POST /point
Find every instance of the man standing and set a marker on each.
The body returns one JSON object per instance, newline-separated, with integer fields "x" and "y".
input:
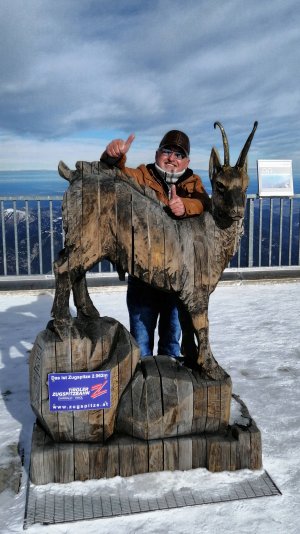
{"x": 182, "y": 191}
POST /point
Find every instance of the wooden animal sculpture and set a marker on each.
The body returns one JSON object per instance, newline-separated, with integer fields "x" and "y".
{"x": 107, "y": 215}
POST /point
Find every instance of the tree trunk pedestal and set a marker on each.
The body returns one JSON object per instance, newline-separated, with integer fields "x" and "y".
{"x": 164, "y": 416}
{"x": 239, "y": 448}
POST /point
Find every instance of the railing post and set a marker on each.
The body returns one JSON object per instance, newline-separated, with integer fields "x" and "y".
{"x": 251, "y": 232}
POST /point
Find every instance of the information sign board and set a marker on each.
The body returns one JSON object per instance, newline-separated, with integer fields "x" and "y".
{"x": 79, "y": 391}
{"x": 275, "y": 178}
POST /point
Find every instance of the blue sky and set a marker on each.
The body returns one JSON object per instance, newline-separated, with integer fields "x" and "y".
{"x": 76, "y": 74}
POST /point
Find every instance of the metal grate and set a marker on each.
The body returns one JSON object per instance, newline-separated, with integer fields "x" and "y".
{"x": 48, "y": 507}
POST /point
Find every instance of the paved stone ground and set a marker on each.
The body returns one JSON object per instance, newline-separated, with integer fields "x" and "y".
{"x": 48, "y": 507}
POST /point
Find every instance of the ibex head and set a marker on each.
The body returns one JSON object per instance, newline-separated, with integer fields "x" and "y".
{"x": 229, "y": 184}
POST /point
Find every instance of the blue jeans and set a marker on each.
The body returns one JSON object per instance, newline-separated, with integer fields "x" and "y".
{"x": 146, "y": 306}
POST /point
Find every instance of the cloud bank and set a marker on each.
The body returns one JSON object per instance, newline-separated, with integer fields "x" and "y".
{"x": 76, "y": 74}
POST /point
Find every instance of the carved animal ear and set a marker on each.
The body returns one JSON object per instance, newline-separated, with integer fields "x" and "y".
{"x": 214, "y": 163}
{"x": 64, "y": 171}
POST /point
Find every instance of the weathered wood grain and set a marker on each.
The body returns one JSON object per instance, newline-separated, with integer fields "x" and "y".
{"x": 157, "y": 273}
{"x": 199, "y": 404}
{"x": 169, "y": 396}
{"x": 126, "y": 456}
{"x": 185, "y": 453}
{"x": 156, "y": 455}
{"x": 81, "y": 462}
{"x": 185, "y": 393}
{"x": 110, "y": 344}
{"x": 199, "y": 456}
{"x": 153, "y": 404}
{"x": 167, "y": 399}
{"x": 98, "y": 461}
{"x": 124, "y": 228}
{"x": 140, "y": 457}
{"x": 140, "y": 238}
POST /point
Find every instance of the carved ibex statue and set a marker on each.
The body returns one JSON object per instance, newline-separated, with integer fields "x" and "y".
{"x": 107, "y": 215}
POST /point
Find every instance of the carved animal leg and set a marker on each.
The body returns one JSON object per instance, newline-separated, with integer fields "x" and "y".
{"x": 60, "y": 309}
{"x": 188, "y": 345}
{"x": 205, "y": 357}
{"x": 60, "y": 312}
{"x": 82, "y": 300}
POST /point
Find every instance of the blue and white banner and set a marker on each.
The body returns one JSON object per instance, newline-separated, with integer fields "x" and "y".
{"x": 79, "y": 391}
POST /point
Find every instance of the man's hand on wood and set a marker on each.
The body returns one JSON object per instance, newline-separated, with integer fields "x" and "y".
{"x": 175, "y": 203}
{"x": 119, "y": 147}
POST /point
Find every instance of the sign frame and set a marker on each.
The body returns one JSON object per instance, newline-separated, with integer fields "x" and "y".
{"x": 77, "y": 391}
{"x": 275, "y": 178}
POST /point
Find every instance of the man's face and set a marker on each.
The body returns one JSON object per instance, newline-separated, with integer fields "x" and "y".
{"x": 170, "y": 162}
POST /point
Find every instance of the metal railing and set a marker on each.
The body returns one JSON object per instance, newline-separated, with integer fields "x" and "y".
{"x": 32, "y": 234}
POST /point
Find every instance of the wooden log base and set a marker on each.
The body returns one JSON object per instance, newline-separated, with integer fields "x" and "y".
{"x": 167, "y": 399}
{"x": 99, "y": 344}
{"x": 238, "y": 448}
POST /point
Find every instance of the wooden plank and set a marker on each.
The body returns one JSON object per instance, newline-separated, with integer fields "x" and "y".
{"x": 65, "y": 458}
{"x": 185, "y": 453}
{"x": 73, "y": 221}
{"x": 137, "y": 406}
{"x": 123, "y": 354}
{"x": 95, "y": 426}
{"x": 214, "y": 454}
{"x": 140, "y": 457}
{"x": 157, "y": 273}
{"x": 124, "y": 228}
{"x": 81, "y": 462}
{"x": 98, "y": 456}
{"x": 141, "y": 248}
{"x": 113, "y": 463}
{"x": 49, "y": 457}
{"x": 185, "y": 229}
{"x": 233, "y": 454}
{"x": 199, "y": 448}
{"x": 243, "y": 447}
{"x": 80, "y": 352}
{"x": 154, "y": 406}
{"x": 37, "y": 470}
{"x": 107, "y": 218}
{"x": 63, "y": 356}
{"x": 156, "y": 455}
{"x": 173, "y": 255}
{"x": 225, "y": 399}
{"x": 213, "y": 406}
{"x": 255, "y": 447}
{"x": 107, "y": 332}
{"x": 169, "y": 396}
{"x": 43, "y": 362}
{"x": 185, "y": 401}
{"x": 90, "y": 221}
{"x": 126, "y": 457}
{"x": 200, "y": 404}
{"x": 171, "y": 455}
{"x": 109, "y": 415}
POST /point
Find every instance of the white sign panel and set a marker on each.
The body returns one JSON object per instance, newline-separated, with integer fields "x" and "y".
{"x": 275, "y": 178}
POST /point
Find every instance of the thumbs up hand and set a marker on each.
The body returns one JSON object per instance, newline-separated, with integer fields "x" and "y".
{"x": 175, "y": 203}
{"x": 119, "y": 147}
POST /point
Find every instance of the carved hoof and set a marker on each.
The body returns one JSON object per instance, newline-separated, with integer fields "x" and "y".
{"x": 86, "y": 315}
{"x": 61, "y": 327}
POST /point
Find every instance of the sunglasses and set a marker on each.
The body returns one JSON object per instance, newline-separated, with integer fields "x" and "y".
{"x": 168, "y": 152}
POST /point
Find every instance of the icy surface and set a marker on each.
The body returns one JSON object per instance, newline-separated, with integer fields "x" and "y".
{"x": 255, "y": 336}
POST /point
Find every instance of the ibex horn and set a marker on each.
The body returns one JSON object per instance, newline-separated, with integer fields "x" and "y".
{"x": 225, "y": 143}
{"x": 242, "y": 158}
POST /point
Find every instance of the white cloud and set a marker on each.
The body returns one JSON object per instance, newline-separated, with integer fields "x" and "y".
{"x": 71, "y": 67}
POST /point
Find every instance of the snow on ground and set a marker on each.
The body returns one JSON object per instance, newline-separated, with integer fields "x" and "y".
{"x": 255, "y": 335}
